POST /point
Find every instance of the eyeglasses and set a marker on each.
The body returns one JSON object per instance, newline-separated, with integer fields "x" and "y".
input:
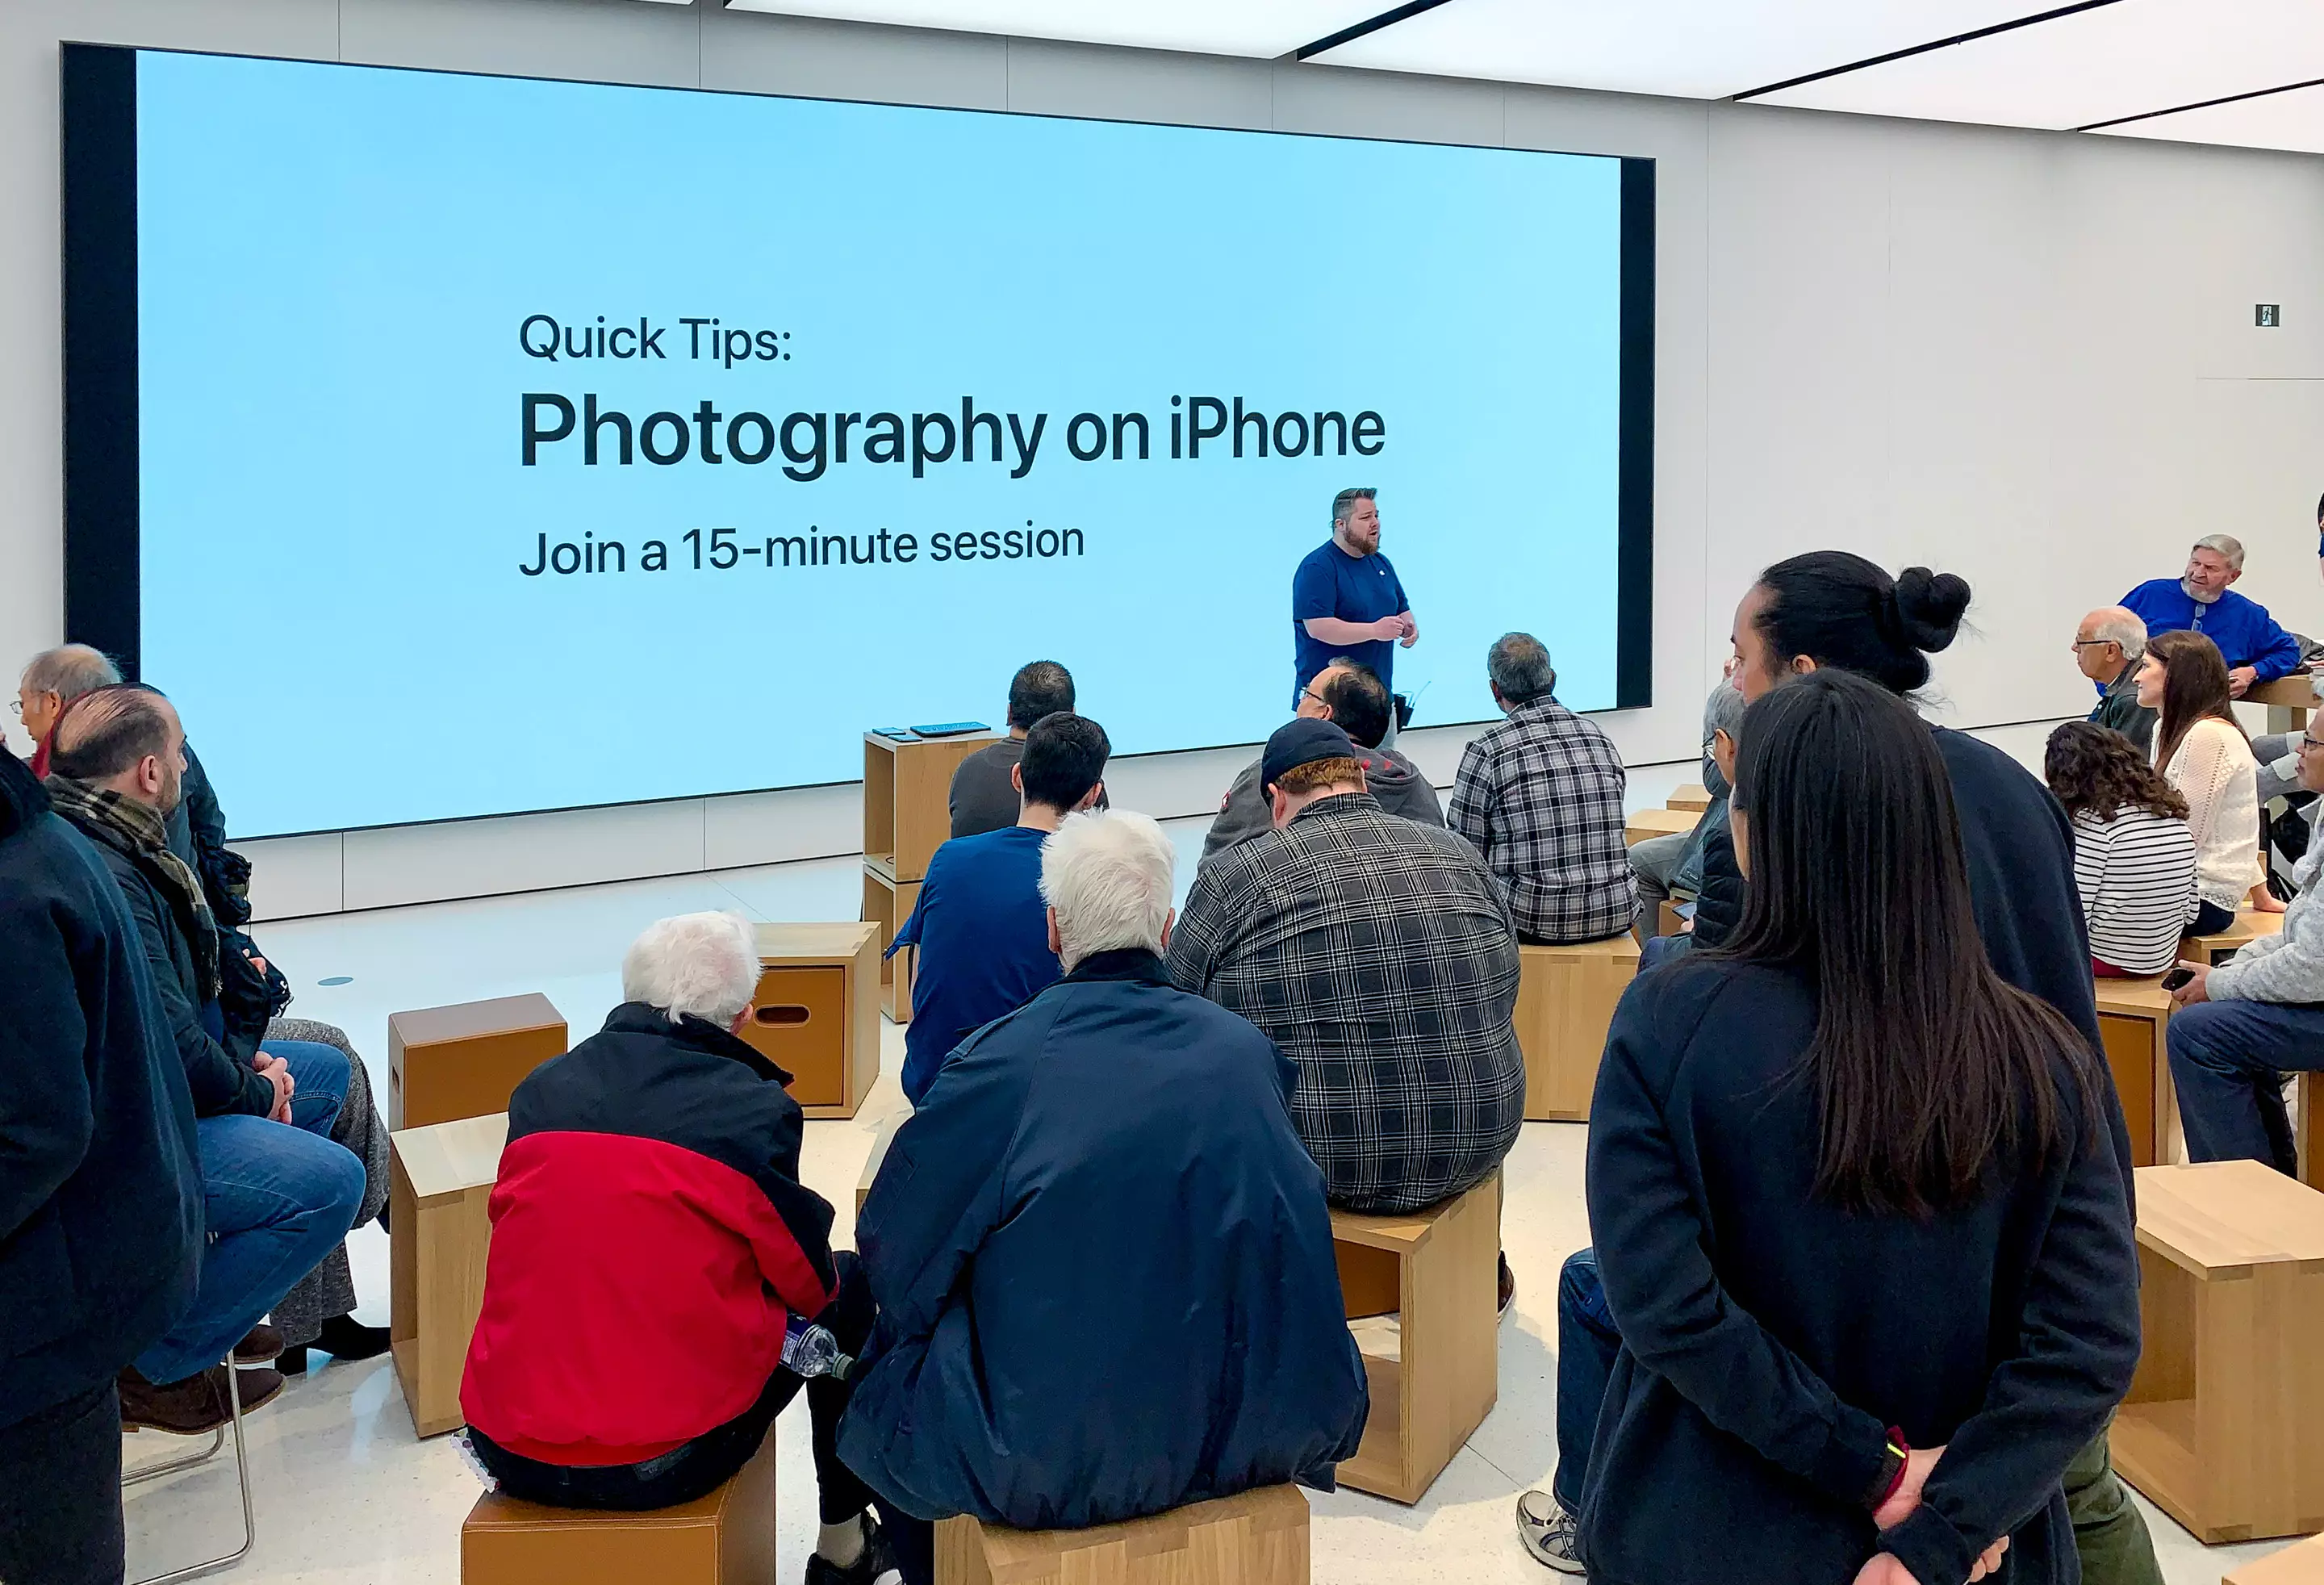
{"x": 1312, "y": 694}
{"x": 2089, "y": 644}
{"x": 2307, "y": 742}
{"x": 18, "y": 706}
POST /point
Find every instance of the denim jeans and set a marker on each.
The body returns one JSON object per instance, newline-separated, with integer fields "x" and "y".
{"x": 2228, "y": 1062}
{"x": 1587, "y": 1343}
{"x": 276, "y": 1198}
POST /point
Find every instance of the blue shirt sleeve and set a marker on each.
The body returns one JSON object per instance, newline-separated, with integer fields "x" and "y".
{"x": 2278, "y": 652}
{"x": 1314, "y": 591}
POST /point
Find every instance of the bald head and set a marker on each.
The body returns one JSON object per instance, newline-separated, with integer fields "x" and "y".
{"x": 54, "y": 678}
{"x": 2110, "y": 639}
{"x": 125, "y": 737}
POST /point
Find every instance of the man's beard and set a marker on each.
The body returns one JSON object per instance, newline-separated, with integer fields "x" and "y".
{"x": 2187, "y": 587}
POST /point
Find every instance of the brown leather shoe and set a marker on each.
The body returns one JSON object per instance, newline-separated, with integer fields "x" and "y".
{"x": 261, "y": 1345}
{"x": 191, "y": 1406}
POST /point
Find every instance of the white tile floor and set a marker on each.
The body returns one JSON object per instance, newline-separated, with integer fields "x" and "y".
{"x": 346, "y": 1492}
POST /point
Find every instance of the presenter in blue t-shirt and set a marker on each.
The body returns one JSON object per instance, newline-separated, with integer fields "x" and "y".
{"x": 1346, "y": 599}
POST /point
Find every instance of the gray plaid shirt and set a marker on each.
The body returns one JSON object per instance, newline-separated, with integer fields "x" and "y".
{"x": 1541, "y": 796}
{"x": 1379, "y": 955}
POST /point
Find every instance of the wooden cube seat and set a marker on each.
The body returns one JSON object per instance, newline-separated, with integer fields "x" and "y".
{"x": 468, "y": 1058}
{"x": 2250, "y": 925}
{"x": 2299, "y": 1564}
{"x": 816, "y": 1013}
{"x": 872, "y": 1162}
{"x": 1565, "y": 1003}
{"x": 2224, "y": 1425}
{"x": 439, "y": 1231}
{"x": 726, "y": 1538}
{"x": 1693, "y": 797}
{"x": 2134, "y": 1016}
{"x": 1422, "y": 1296}
{"x": 1256, "y": 1538}
{"x": 1645, "y": 823}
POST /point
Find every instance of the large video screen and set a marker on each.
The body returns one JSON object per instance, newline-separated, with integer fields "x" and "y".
{"x": 451, "y": 445}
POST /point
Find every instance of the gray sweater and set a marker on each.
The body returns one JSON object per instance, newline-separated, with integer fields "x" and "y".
{"x": 2288, "y": 967}
{"x": 1392, "y": 780}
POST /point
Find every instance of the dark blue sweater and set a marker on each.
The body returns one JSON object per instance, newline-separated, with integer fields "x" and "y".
{"x": 984, "y": 937}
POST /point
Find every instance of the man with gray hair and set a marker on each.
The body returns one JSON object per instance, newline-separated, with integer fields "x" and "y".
{"x": 2106, "y": 649}
{"x": 1347, "y": 601}
{"x": 1540, "y": 798}
{"x": 2255, "y": 649}
{"x": 1102, "y": 1257}
{"x": 54, "y": 678}
{"x": 656, "y": 1266}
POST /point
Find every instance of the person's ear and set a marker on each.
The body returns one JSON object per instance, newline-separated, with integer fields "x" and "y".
{"x": 741, "y": 1018}
{"x": 1057, "y": 941}
{"x": 1278, "y": 805}
{"x": 1739, "y": 829}
{"x": 1089, "y": 798}
{"x": 1017, "y": 779}
{"x": 151, "y": 776}
{"x": 1169, "y": 922}
{"x": 1803, "y": 664}
{"x": 2233, "y": 574}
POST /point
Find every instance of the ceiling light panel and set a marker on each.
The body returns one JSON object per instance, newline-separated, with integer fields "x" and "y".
{"x": 1263, "y": 28}
{"x": 1693, "y": 48}
{"x": 2126, "y": 59}
{"x": 2293, "y": 120}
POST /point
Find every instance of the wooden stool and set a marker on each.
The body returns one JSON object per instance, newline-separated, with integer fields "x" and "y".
{"x": 2304, "y": 1131}
{"x": 907, "y": 798}
{"x": 2302, "y": 1564}
{"x": 1668, "y": 921}
{"x": 1422, "y": 1296}
{"x": 727, "y": 1538}
{"x": 2224, "y": 1426}
{"x": 872, "y": 1163}
{"x": 1257, "y": 1538}
{"x": 2249, "y": 926}
{"x": 888, "y": 903}
{"x": 1693, "y": 797}
{"x": 2134, "y": 1016}
{"x": 465, "y": 1060}
{"x": 439, "y": 1184}
{"x": 1565, "y": 1002}
{"x": 816, "y": 1011}
{"x": 1647, "y": 823}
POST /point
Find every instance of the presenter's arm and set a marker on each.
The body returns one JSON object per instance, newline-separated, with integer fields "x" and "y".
{"x": 1411, "y": 627}
{"x": 1332, "y": 630}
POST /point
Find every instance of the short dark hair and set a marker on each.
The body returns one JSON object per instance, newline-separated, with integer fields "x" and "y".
{"x": 1343, "y": 504}
{"x": 108, "y": 730}
{"x": 1039, "y": 688}
{"x": 1358, "y": 698}
{"x": 1065, "y": 757}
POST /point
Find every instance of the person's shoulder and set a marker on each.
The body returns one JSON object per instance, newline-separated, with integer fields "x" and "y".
{"x": 1703, "y": 997}
{"x": 2152, "y": 588}
{"x": 1319, "y": 557}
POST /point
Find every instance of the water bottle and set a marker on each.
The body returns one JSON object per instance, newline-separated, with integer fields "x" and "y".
{"x": 809, "y": 1349}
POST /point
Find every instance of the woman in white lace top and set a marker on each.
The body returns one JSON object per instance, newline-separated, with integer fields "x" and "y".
{"x": 2204, "y": 755}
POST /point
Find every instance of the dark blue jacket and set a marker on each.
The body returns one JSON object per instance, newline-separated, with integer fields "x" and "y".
{"x": 1104, "y": 1270}
{"x": 2244, "y": 632}
{"x": 100, "y": 1192}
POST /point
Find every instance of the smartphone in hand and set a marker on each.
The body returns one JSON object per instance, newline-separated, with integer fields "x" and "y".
{"x": 2177, "y": 977}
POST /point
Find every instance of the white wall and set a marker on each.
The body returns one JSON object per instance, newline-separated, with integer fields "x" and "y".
{"x": 2025, "y": 357}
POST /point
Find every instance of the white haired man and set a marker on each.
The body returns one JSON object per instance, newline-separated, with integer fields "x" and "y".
{"x": 2106, "y": 649}
{"x": 653, "y": 1252}
{"x": 1102, "y": 1257}
{"x": 2255, "y": 649}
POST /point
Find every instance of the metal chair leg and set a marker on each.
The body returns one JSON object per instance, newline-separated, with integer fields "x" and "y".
{"x": 242, "y": 1471}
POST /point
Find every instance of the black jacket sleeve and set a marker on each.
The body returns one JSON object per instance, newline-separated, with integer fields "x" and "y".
{"x": 1718, "y": 906}
{"x": 46, "y": 1116}
{"x": 221, "y": 1085}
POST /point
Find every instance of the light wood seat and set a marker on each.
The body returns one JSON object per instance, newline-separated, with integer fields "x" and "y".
{"x": 2302, "y": 1564}
{"x": 816, "y": 1014}
{"x": 1565, "y": 1002}
{"x": 1256, "y": 1538}
{"x": 726, "y": 1538}
{"x": 2224, "y": 1425}
{"x": 2134, "y": 1016}
{"x": 440, "y": 1190}
{"x": 1693, "y": 797}
{"x": 466, "y": 1059}
{"x": 2250, "y": 926}
{"x": 1643, "y": 823}
{"x": 1421, "y": 1292}
{"x": 872, "y": 1163}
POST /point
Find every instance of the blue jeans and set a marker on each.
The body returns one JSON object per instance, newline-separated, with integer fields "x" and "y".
{"x": 2228, "y": 1063}
{"x": 1658, "y": 951}
{"x": 1587, "y": 1343}
{"x": 274, "y": 1199}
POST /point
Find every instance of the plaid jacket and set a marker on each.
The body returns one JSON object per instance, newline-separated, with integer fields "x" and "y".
{"x": 1379, "y": 955}
{"x": 1541, "y": 796}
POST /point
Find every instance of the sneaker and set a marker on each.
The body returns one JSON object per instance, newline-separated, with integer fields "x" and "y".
{"x": 1508, "y": 1288}
{"x": 865, "y": 1570}
{"x": 194, "y": 1405}
{"x": 1546, "y": 1529}
{"x": 261, "y": 1345}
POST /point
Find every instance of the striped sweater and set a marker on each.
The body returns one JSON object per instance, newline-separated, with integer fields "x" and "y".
{"x": 2136, "y": 876}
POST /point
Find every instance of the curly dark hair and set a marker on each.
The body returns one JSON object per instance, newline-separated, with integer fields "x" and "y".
{"x": 2095, "y": 767}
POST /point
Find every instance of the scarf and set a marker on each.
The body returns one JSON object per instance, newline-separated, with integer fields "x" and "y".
{"x": 137, "y": 830}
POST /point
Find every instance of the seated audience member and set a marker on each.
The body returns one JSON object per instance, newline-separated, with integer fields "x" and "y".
{"x": 2134, "y": 854}
{"x": 652, "y": 1252}
{"x": 2241, "y": 1028}
{"x": 1103, "y": 1260}
{"x": 983, "y": 797}
{"x": 276, "y": 1199}
{"x": 2254, "y": 649}
{"x": 1662, "y": 865}
{"x": 2106, "y": 647}
{"x": 1972, "y": 1195}
{"x": 100, "y": 1202}
{"x": 980, "y": 925}
{"x": 2203, "y": 754}
{"x": 1351, "y": 694}
{"x": 1540, "y": 798}
{"x": 1380, "y": 954}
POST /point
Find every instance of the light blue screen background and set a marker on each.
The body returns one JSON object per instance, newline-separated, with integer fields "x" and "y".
{"x": 334, "y": 264}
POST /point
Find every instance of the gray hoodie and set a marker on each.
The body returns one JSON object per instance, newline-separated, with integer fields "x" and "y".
{"x": 2284, "y": 967}
{"x": 1393, "y": 780}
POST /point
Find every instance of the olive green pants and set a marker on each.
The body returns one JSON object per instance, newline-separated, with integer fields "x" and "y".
{"x": 2109, "y": 1532}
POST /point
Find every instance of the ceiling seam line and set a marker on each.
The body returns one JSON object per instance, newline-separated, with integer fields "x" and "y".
{"x": 2205, "y": 103}
{"x": 1906, "y": 53}
{"x": 1349, "y": 35}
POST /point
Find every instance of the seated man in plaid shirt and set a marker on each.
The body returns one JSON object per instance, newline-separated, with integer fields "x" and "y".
{"x": 1540, "y": 795}
{"x": 1378, "y": 955}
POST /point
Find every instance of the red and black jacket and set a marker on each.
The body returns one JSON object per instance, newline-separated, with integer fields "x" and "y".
{"x": 649, "y": 1237}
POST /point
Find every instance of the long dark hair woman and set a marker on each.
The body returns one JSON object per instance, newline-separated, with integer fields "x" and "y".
{"x": 2201, "y": 751}
{"x": 2134, "y": 855}
{"x": 1858, "y": 1214}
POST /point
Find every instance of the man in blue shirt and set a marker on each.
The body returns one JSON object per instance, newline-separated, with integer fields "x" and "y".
{"x": 1346, "y": 599}
{"x": 2256, "y": 649}
{"x": 981, "y": 925}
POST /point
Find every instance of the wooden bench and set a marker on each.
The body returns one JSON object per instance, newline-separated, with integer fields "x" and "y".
{"x": 816, "y": 1014}
{"x": 727, "y": 1538}
{"x": 1257, "y": 1538}
{"x": 2134, "y": 1016}
{"x": 1565, "y": 1002}
{"x": 1422, "y": 1293}
{"x": 2224, "y": 1426}
{"x": 1646, "y": 823}
{"x": 466, "y": 1060}
{"x": 1693, "y": 797}
{"x": 2249, "y": 926}
{"x": 2299, "y": 1564}
{"x": 440, "y": 1185}
{"x": 872, "y": 1163}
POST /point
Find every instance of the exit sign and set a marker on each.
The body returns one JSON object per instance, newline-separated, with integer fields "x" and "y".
{"x": 2268, "y": 316}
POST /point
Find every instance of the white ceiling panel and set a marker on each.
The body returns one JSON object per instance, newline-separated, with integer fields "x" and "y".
{"x": 1263, "y": 28}
{"x": 2293, "y": 121}
{"x": 2121, "y": 59}
{"x": 1692, "y": 49}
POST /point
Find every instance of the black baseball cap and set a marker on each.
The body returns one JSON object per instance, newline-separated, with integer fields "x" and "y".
{"x": 1302, "y": 742}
